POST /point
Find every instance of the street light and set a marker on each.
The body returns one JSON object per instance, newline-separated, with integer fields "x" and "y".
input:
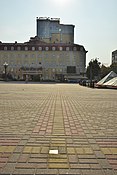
{"x": 5, "y": 68}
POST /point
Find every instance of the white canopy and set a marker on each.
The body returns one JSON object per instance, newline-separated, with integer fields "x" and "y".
{"x": 108, "y": 77}
{"x": 111, "y": 83}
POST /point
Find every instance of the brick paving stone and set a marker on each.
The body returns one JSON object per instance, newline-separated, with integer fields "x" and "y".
{"x": 2, "y": 165}
{"x": 3, "y": 148}
{"x": 58, "y": 165}
{"x": 22, "y": 142}
{"x": 9, "y": 168}
{"x": 23, "y": 158}
{"x": 70, "y": 150}
{"x": 79, "y": 166}
{"x": 88, "y": 150}
{"x": 95, "y": 147}
{"x": 14, "y": 158}
{"x": 24, "y": 171}
{"x": 99, "y": 154}
{"x": 42, "y": 166}
{"x": 25, "y": 166}
{"x": 46, "y": 171}
{"x": 106, "y": 150}
{"x": 79, "y": 150}
{"x": 93, "y": 172}
{"x": 70, "y": 171}
{"x": 73, "y": 158}
{"x": 27, "y": 149}
{"x": 10, "y": 149}
{"x": 86, "y": 156}
{"x": 55, "y": 160}
{"x": 104, "y": 164}
{"x": 95, "y": 166}
{"x": 113, "y": 150}
{"x": 3, "y": 159}
{"x": 109, "y": 172}
{"x": 18, "y": 149}
{"x": 45, "y": 150}
{"x": 89, "y": 161}
{"x": 36, "y": 150}
{"x": 37, "y": 160}
{"x": 62, "y": 150}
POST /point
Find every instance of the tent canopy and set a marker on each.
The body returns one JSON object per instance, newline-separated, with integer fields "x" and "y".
{"x": 108, "y": 77}
{"x": 112, "y": 82}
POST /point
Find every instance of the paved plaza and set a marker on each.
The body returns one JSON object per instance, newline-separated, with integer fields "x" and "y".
{"x": 79, "y": 123}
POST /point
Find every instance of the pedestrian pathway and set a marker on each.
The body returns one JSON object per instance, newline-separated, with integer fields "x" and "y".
{"x": 57, "y": 129}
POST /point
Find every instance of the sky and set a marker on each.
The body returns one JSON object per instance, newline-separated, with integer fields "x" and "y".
{"x": 95, "y": 22}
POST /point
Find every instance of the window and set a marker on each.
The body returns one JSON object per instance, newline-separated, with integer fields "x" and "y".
{"x": 33, "y": 48}
{"x": 67, "y": 48}
{"x": 71, "y": 69}
{"x": 12, "y": 48}
{"x": 18, "y": 48}
{"x": 74, "y": 48}
{"x": 81, "y": 48}
{"x": 53, "y": 48}
{"x": 5, "y": 48}
{"x": 26, "y": 48}
{"x": 47, "y": 48}
{"x": 60, "y": 48}
{"x": 40, "y": 48}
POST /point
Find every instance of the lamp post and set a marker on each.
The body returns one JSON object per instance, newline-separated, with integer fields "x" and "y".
{"x": 5, "y": 68}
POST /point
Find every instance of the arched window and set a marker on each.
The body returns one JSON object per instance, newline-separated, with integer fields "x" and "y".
{"x": 47, "y": 48}
{"x": 33, "y": 48}
{"x": 67, "y": 48}
{"x": 60, "y": 48}
{"x": 40, "y": 48}
{"x": 5, "y": 48}
{"x": 12, "y": 48}
{"x": 74, "y": 48}
{"x": 18, "y": 48}
{"x": 81, "y": 48}
{"x": 53, "y": 48}
{"x": 26, "y": 48}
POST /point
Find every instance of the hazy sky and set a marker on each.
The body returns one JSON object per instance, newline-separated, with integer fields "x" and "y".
{"x": 95, "y": 22}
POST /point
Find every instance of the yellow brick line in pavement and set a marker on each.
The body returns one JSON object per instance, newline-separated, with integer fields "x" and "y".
{"x": 58, "y": 123}
{"x": 109, "y": 150}
{"x": 59, "y": 161}
{"x": 79, "y": 150}
{"x": 7, "y": 149}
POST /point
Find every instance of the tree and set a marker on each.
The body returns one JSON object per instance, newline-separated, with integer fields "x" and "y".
{"x": 104, "y": 71}
{"x": 93, "y": 69}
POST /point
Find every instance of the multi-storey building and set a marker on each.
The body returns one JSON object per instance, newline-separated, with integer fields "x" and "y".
{"x": 51, "y": 31}
{"x": 114, "y": 56}
{"x": 48, "y": 56}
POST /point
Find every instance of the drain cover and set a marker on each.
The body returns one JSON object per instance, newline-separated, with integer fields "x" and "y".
{"x": 53, "y": 151}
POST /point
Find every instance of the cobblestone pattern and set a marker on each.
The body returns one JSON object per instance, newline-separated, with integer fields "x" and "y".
{"x": 79, "y": 122}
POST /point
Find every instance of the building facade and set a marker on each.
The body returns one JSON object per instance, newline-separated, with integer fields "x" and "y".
{"x": 56, "y": 61}
{"x": 114, "y": 56}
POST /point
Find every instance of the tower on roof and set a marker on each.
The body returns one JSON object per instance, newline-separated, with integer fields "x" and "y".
{"x": 50, "y": 30}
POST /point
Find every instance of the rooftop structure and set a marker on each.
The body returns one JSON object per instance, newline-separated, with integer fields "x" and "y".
{"x": 114, "y": 56}
{"x": 51, "y": 31}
